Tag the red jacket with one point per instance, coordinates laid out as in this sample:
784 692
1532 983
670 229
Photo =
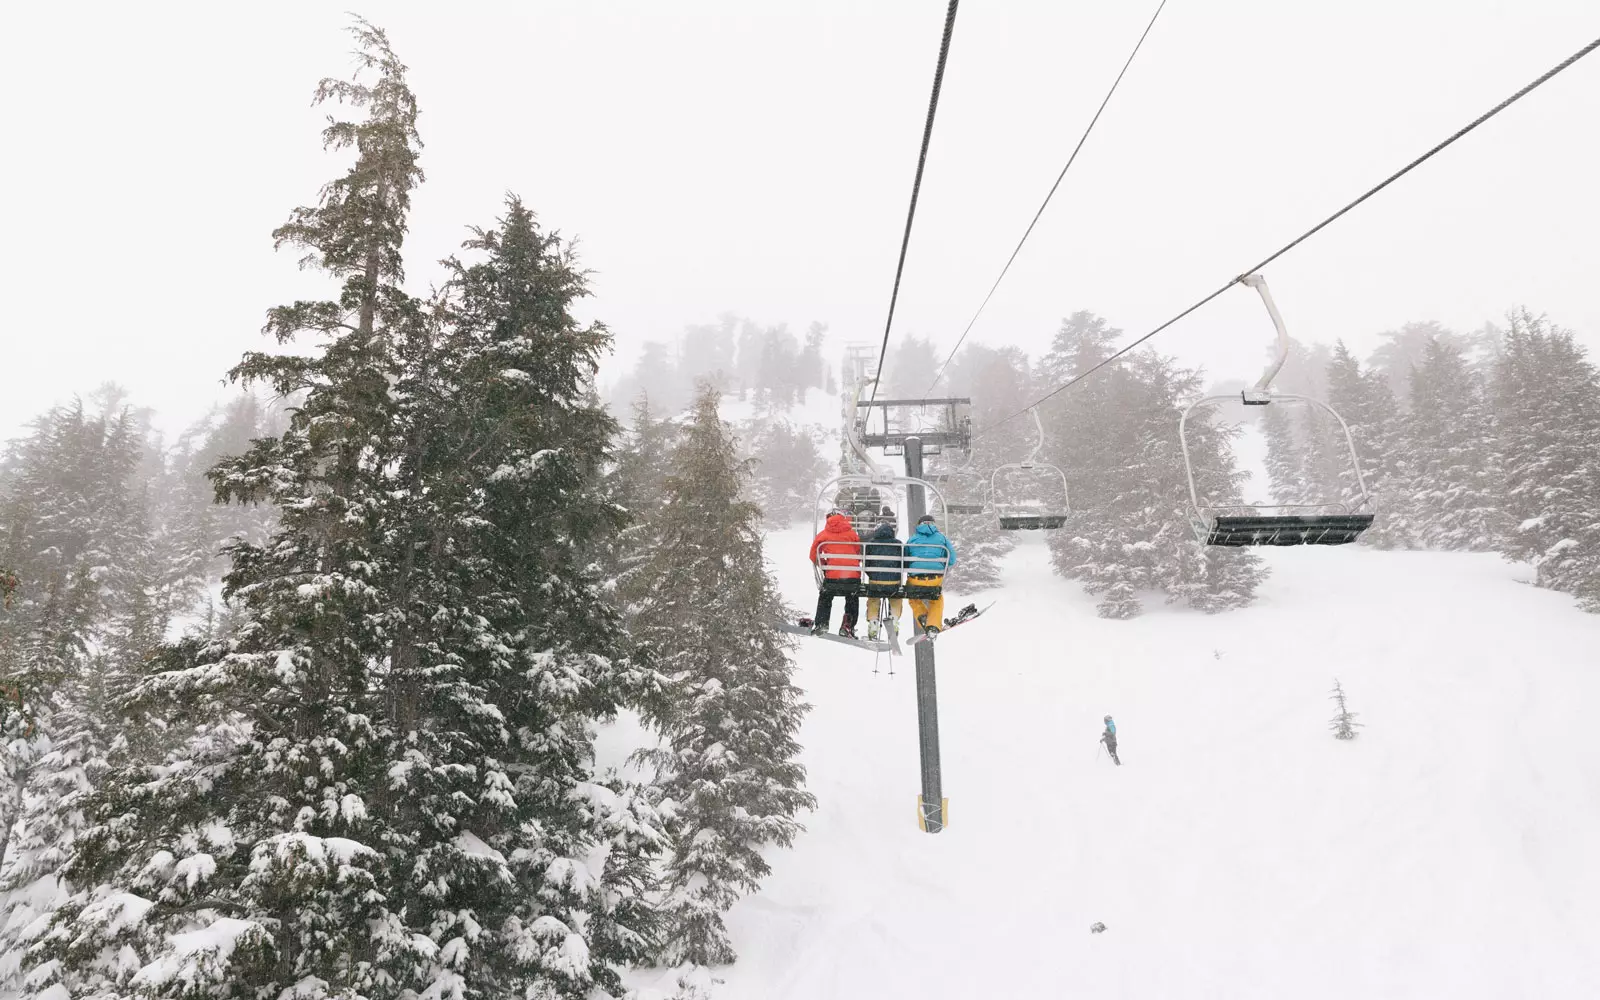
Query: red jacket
840 541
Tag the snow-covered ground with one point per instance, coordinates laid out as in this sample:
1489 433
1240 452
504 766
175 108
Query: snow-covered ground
1452 850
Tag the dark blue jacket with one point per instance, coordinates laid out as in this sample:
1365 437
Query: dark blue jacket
883 544
928 551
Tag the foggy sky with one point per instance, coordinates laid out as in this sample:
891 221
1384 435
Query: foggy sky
756 157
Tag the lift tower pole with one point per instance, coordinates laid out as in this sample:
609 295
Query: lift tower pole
952 430
931 803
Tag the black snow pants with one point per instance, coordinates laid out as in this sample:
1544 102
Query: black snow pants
1110 740
852 606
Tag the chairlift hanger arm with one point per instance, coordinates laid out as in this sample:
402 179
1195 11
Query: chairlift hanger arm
1261 394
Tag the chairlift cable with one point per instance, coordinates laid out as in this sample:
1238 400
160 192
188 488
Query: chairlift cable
916 188
1313 230
1059 178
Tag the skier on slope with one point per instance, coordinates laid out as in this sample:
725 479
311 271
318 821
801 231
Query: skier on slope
1109 738
885 567
837 549
929 555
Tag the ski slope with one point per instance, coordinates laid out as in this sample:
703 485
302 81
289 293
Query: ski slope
1452 850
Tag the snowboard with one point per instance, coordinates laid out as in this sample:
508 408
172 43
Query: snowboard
805 630
966 614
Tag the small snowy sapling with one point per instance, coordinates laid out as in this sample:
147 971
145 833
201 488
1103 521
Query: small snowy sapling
1343 723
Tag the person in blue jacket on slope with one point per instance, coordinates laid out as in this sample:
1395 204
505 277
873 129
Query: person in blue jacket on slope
1109 738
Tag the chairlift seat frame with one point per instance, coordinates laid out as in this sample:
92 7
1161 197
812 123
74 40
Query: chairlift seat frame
1234 525
1030 516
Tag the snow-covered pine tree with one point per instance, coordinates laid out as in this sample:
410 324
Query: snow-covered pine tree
1084 439
1208 578
1547 401
788 468
1368 407
384 781
1344 721
85 617
726 765
643 459
910 369
1453 483
1399 351
994 379
1118 437
1285 455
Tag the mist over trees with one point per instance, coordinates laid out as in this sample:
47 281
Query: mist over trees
767 365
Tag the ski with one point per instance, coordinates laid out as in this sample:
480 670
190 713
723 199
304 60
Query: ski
876 647
965 615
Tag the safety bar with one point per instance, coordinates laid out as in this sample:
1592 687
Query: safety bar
888 569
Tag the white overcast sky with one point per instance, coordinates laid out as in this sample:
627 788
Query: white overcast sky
756 157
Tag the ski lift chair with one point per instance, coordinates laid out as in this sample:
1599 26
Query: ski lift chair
893 491
1335 522
1017 511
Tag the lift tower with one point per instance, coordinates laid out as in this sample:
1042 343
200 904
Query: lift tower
915 428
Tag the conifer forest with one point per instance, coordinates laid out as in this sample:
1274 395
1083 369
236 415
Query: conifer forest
456 639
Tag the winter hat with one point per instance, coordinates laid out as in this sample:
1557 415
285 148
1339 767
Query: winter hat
925 519
887 512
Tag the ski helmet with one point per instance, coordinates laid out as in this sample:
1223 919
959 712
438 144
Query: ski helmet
1108 718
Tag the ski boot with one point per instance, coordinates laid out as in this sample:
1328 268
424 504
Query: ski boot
848 630
872 630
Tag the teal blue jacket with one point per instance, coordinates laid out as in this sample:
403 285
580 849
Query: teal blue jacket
929 551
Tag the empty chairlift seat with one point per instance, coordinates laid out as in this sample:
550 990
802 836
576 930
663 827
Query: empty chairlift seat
1285 529
1336 522
1030 495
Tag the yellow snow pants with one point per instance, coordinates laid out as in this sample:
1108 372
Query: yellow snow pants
930 611
895 604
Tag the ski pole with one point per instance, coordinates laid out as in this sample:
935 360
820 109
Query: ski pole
1097 748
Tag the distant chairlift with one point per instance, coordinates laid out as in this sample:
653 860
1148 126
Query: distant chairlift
1335 522
966 491
1030 495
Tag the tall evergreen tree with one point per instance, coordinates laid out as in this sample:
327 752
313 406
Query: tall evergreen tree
638 481
85 613
1547 399
788 468
383 782
1453 487
1118 438
994 379
1285 462
727 762
1368 407
1399 351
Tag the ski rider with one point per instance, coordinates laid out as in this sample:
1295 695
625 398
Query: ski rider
929 555
885 565
1109 738
837 549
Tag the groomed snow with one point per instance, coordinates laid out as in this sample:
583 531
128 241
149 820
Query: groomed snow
1449 851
